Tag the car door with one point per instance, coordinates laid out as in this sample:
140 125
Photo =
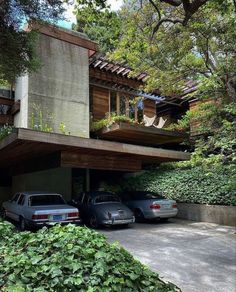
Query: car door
11 207
20 206
86 206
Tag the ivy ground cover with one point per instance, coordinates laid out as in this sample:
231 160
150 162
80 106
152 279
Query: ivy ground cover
70 258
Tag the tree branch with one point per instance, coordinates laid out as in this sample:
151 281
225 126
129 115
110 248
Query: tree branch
174 21
157 9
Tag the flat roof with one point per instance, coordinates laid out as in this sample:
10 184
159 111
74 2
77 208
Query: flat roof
66 35
25 144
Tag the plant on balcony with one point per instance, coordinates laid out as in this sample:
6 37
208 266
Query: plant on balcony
5 131
111 119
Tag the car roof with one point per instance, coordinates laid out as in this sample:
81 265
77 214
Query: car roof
35 193
99 193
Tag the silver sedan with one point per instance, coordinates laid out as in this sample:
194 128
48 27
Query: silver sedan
148 205
35 209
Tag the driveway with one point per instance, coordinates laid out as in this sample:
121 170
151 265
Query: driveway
196 256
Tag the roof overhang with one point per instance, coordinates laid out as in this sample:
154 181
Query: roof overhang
27 150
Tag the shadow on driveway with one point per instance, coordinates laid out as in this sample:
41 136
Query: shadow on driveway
196 256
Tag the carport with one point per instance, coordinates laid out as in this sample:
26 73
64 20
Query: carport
28 156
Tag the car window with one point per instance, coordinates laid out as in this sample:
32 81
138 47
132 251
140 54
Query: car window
145 196
87 199
43 200
79 197
21 200
15 198
106 199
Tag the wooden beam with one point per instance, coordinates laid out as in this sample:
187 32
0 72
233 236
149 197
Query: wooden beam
6 119
6 101
113 77
76 160
15 108
68 36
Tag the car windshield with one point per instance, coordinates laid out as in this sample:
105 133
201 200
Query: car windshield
106 199
146 196
43 200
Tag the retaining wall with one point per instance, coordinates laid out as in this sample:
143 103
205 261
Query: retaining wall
224 215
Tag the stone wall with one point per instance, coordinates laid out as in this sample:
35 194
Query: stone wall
224 215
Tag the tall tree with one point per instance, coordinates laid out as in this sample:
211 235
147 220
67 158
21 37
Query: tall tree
17 54
204 50
99 23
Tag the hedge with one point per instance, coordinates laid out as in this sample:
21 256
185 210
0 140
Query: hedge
195 185
70 258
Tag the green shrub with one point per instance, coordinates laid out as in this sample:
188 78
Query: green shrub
71 258
203 185
5 131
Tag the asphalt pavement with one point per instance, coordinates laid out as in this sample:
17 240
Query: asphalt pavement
196 256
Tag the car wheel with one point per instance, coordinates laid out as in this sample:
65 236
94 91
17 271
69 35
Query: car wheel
93 222
139 217
22 224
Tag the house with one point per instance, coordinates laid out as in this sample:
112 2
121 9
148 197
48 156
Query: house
52 147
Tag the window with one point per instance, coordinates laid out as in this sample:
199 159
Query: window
21 200
129 106
113 108
106 199
87 199
15 198
122 105
44 200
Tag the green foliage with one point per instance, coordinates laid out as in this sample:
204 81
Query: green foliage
62 129
102 25
200 184
5 131
202 51
40 121
70 258
17 54
110 120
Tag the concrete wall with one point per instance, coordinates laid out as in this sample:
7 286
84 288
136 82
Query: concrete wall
5 194
59 91
57 180
21 93
224 215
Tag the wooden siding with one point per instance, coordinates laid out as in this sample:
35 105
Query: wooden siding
149 108
100 103
75 160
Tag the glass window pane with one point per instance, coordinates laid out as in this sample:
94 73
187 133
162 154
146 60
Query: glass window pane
122 105
113 102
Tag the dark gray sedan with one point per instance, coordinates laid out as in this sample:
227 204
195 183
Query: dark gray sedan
148 205
103 208
36 209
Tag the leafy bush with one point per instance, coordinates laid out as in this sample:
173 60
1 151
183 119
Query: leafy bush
110 120
71 258
5 131
203 185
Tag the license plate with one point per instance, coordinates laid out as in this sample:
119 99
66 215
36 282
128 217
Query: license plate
166 206
57 217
